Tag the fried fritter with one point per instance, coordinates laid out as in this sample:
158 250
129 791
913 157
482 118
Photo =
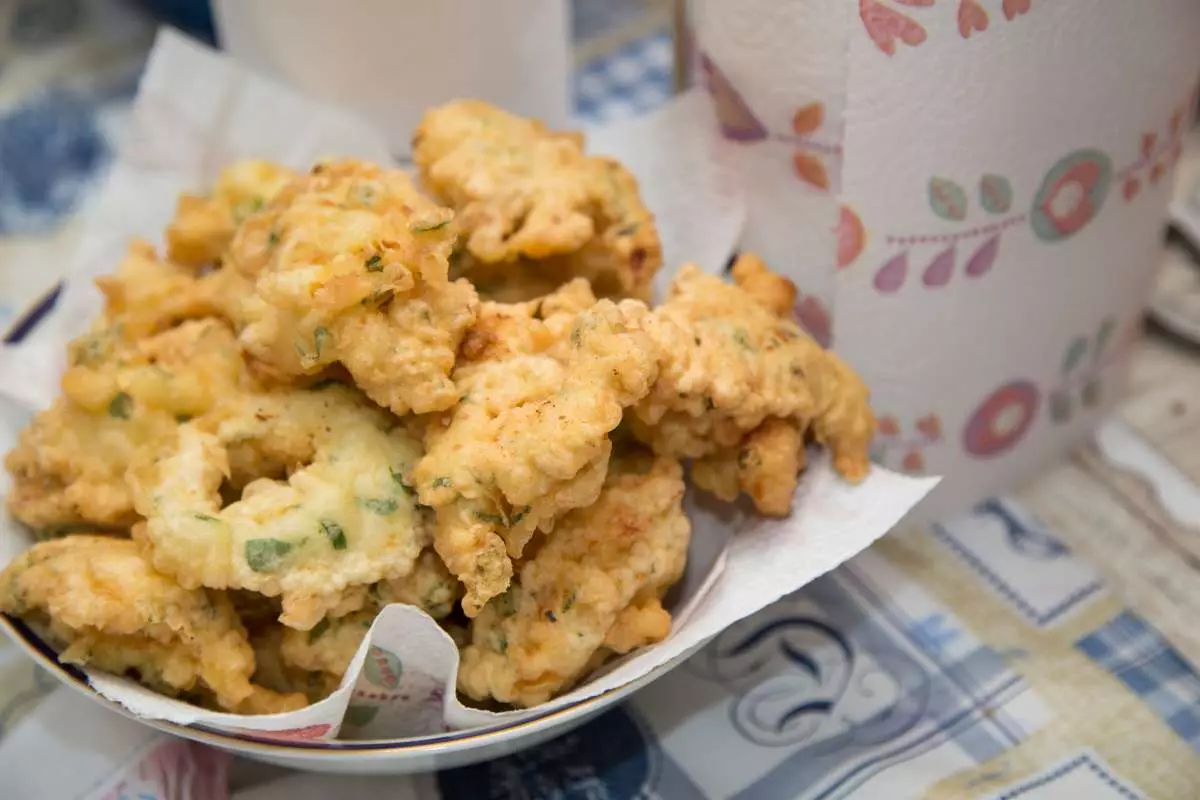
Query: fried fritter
346 515
545 383
330 646
349 265
734 361
594 586
100 599
204 225
147 295
529 196
121 401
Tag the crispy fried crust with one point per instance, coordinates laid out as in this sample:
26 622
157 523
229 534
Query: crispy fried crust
737 370
122 402
101 599
349 265
345 516
546 382
593 587
534 210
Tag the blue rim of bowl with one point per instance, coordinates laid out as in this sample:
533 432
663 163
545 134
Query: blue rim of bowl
45 655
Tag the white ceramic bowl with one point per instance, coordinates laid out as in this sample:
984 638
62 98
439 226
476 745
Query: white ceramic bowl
364 757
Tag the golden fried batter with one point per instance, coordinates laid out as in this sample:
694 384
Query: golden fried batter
330 646
121 401
348 265
765 466
103 601
594 585
534 209
544 383
204 225
147 295
346 515
734 359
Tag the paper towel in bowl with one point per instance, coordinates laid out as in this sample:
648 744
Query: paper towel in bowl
970 195
196 112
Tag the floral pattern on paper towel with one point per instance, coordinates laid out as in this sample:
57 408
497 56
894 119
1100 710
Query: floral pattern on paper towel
852 236
949 201
1002 419
382 668
739 123
1158 152
1081 375
887 26
1071 195
892 438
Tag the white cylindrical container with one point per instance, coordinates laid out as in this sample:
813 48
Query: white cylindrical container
389 60
970 195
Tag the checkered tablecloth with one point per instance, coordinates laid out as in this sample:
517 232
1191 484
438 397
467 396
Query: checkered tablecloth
982 658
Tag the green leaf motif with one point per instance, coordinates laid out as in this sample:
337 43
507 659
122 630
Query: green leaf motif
359 715
1104 336
995 194
1075 354
947 199
382 668
264 555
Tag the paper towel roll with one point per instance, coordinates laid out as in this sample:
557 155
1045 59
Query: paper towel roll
389 60
969 194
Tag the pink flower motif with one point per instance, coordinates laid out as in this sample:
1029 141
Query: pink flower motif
885 25
1067 204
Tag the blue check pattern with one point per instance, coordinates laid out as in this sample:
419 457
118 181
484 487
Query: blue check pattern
626 82
1143 660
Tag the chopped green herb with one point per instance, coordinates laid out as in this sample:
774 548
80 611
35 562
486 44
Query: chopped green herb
627 230
335 534
439 483
551 616
501 646
121 406
206 517
742 337
425 227
379 505
264 555
520 515
398 477
569 602
484 516
317 630
375 263
272 239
